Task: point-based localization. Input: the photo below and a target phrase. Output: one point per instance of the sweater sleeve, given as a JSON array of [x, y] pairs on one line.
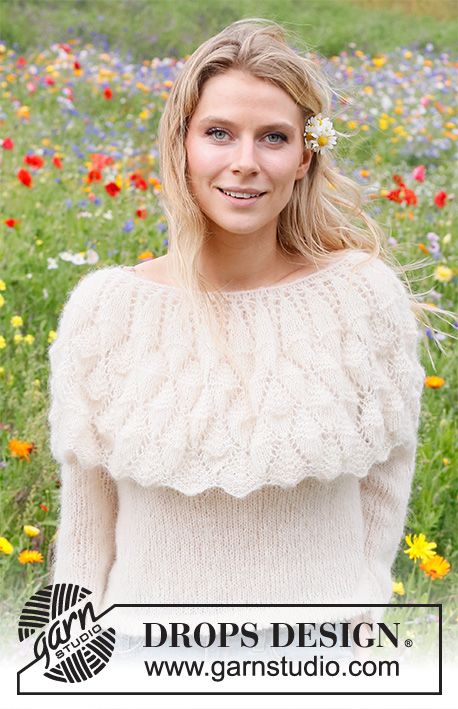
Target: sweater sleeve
[[385, 490], [85, 546]]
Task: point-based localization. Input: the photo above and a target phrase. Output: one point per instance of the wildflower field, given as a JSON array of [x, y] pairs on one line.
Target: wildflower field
[[81, 189]]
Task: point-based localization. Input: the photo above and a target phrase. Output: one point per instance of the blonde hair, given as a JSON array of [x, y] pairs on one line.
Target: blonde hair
[[324, 214]]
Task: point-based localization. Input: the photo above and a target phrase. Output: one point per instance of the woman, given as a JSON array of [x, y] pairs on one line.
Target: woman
[[236, 421]]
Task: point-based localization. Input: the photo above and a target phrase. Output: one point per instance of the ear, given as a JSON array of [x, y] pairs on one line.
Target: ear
[[305, 164]]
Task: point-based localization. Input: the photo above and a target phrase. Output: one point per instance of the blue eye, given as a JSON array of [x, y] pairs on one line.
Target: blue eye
[[212, 131], [282, 137]]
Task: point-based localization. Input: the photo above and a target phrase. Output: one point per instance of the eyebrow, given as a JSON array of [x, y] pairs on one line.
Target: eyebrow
[[224, 121]]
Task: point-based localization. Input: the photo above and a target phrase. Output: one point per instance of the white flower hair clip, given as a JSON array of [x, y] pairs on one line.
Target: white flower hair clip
[[319, 134]]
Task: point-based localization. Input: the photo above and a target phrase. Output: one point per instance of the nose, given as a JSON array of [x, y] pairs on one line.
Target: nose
[[244, 157]]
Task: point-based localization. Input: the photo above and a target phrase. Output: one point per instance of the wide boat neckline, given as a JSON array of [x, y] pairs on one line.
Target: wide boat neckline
[[290, 285]]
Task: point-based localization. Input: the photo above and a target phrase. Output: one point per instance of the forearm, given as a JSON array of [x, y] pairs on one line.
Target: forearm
[[85, 546]]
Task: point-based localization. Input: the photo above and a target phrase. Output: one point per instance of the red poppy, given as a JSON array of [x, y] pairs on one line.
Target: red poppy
[[440, 199], [94, 176], [21, 61], [108, 93], [34, 161], [410, 196], [139, 182], [395, 196], [25, 177], [141, 213], [76, 65], [403, 194], [49, 80], [44, 507], [99, 161], [112, 189], [11, 222], [57, 161], [7, 144], [66, 48]]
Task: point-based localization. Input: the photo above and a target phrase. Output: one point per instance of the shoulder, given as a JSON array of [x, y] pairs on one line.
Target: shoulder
[[155, 269], [86, 297], [380, 284]]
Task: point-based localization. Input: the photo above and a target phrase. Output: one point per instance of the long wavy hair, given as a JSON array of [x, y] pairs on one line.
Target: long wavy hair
[[325, 212]]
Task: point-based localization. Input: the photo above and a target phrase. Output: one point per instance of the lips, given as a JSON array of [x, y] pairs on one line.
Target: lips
[[257, 193]]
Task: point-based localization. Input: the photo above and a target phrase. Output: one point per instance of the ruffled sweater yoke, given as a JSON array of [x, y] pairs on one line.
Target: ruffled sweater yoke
[[183, 474]]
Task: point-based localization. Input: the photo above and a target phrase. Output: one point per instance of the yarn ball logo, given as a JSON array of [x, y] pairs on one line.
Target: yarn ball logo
[[74, 644]]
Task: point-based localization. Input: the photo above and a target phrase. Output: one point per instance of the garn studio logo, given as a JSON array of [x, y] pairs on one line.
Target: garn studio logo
[[75, 646]]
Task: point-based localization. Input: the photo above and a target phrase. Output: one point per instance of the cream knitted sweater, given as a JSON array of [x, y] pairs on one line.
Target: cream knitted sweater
[[181, 485]]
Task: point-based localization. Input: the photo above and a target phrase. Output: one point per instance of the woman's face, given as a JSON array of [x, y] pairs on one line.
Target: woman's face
[[246, 135]]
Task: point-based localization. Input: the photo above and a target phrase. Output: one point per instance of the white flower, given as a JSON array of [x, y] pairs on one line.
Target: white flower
[[66, 255], [108, 215], [78, 259], [52, 263], [319, 134]]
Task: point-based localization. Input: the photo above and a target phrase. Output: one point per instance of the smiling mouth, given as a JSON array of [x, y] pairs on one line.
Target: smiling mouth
[[236, 195]]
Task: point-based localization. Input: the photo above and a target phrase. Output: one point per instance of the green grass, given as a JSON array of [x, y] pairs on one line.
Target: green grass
[[148, 28]]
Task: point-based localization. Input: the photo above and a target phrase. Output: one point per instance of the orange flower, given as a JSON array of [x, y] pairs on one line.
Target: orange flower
[[30, 556], [434, 382], [21, 449], [437, 567]]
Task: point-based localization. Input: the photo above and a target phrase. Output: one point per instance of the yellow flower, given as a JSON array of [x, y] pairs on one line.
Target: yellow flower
[[2, 285], [16, 321], [419, 548], [31, 531], [437, 567], [29, 339], [5, 546], [445, 461], [443, 274], [52, 334], [2, 371], [18, 338], [398, 587], [30, 556], [379, 61], [434, 382], [2, 301]]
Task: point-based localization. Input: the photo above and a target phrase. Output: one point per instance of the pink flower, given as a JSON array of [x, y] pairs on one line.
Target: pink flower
[[419, 173]]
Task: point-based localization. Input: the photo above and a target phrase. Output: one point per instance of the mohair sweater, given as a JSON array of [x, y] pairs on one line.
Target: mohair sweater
[[182, 482]]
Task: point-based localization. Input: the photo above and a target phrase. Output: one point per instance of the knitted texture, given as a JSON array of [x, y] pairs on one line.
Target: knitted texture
[[288, 484]]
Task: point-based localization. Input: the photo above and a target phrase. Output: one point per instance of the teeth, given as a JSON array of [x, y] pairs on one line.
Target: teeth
[[241, 195]]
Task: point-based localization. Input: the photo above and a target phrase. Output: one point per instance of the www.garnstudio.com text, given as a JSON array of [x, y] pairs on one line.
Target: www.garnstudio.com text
[[315, 667]]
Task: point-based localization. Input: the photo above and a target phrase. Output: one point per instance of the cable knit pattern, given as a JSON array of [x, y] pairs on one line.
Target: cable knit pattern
[[297, 453]]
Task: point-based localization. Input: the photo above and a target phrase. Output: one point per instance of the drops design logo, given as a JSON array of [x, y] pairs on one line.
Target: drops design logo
[[67, 633]]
